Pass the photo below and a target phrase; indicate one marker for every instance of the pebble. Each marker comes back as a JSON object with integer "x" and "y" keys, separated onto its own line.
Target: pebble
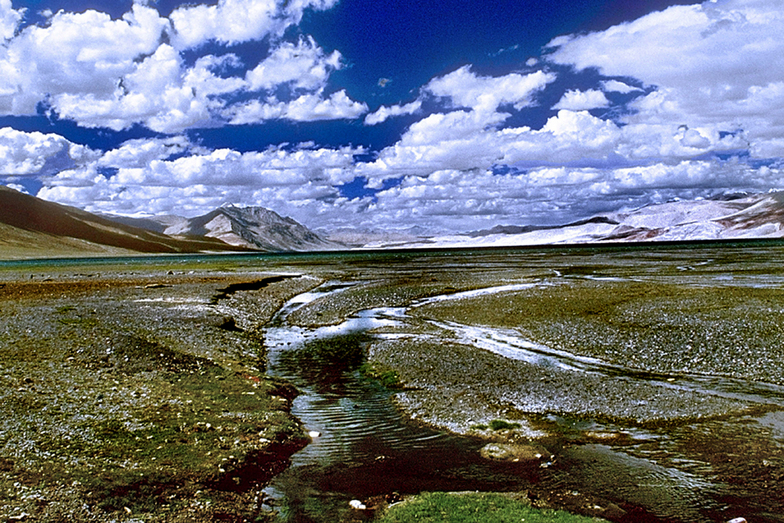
{"x": 357, "y": 504}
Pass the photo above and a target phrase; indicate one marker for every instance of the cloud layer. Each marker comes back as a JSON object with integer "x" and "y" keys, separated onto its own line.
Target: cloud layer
{"x": 716, "y": 67}
{"x": 688, "y": 102}
{"x": 114, "y": 73}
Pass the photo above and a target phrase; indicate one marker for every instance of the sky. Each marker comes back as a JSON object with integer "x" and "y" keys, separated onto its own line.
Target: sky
{"x": 428, "y": 116}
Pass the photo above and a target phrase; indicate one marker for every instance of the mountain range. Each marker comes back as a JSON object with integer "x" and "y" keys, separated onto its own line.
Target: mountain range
{"x": 34, "y": 228}
{"x": 734, "y": 217}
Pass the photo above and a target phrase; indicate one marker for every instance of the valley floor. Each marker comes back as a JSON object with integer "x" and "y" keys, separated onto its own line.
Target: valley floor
{"x": 648, "y": 383}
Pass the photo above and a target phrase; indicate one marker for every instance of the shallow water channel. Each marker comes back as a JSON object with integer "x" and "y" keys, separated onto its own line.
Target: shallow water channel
{"x": 366, "y": 447}
{"x": 707, "y": 471}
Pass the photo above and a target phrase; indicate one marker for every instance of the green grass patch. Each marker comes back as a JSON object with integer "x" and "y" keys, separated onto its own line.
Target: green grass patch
{"x": 500, "y": 424}
{"x": 326, "y": 361}
{"x": 345, "y": 350}
{"x": 67, "y": 319}
{"x": 213, "y": 421}
{"x": 441, "y": 507}
{"x": 66, "y": 308}
{"x": 84, "y": 322}
{"x": 496, "y": 424}
{"x": 388, "y": 378}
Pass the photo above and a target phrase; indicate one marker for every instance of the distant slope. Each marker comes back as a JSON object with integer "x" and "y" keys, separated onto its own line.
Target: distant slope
{"x": 756, "y": 216}
{"x": 247, "y": 227}
{"x": 153, "y": 223}
{"x": 39, "y": 226}
{"x": 20, "y": 244}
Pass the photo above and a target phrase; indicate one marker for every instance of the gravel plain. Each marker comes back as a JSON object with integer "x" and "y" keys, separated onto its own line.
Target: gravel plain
{"x": 138, "y": 393}
{"x": 140, "y": 396}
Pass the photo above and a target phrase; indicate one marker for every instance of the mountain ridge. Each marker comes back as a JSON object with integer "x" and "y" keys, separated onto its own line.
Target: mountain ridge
{"x": 31, "y": 227}
{"x": 255, "y": 228}
{"x": 737, "y": 217}
{"x": 38, "y": 226}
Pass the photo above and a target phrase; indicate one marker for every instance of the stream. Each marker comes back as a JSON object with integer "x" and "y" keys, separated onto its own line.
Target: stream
{"x": 364, "y": 448}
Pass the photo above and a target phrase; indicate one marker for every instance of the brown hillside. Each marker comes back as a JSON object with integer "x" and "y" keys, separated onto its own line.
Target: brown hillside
{"x": 35, "y": 215}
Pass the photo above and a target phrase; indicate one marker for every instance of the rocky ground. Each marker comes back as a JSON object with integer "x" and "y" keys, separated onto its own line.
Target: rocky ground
{"x": 138, "y": 392}
{"x": 140, "y": 396}
{"x": 652, "y": 343}
{"x": 674, "y": 403}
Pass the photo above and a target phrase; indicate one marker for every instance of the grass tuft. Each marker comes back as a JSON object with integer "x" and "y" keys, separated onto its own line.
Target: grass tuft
{"x": 496, "y": 424}
{"x": 388, "y": 378}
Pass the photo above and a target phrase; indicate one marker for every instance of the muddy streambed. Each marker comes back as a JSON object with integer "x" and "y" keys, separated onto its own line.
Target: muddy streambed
{"x": 638, "y": 421}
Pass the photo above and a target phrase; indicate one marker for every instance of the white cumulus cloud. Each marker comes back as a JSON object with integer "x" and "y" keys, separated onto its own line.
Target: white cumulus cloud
{"x": 78, "y": 54}
{"x": 23, "y": 153}
{"x": 465, "y": 89}
{"x": 717, "y": 64}
{"x": 141, "y": 152}
{"x": 236, "y": 21}
{"x": 304, "y": 65}
{"x": 156, "y": 93}
{"x": 114, "y": 73}
{"x": 615, "y": 86}
{"x": 9, "y": 19}
{"x": 308, "y": 107}
{"x": 384, "y": 112}
{"x": 149, "y": 180}
{"x": 575, "y": 100}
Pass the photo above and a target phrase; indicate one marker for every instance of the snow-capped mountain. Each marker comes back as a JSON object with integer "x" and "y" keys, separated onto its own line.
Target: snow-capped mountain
{"x": 746, "y": 217}
{"x": 251, "y": 227}
{"x": 30, "y": 227}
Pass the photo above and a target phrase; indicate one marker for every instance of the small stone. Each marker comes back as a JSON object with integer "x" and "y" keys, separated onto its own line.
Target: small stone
{"x": 513, "y": 452}
{"x": 357, "y": 504}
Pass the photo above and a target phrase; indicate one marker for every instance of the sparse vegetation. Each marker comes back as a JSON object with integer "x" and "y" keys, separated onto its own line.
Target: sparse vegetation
{"x": 327, "y": 360}
{"x": 136, "y": 395}
{"x": 496, "y": 425}
{"x": 499, "y": 424}
{"x": 117, "y": 406}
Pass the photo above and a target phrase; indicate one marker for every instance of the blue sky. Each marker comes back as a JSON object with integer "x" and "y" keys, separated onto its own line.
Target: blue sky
{"x": 447, "y": 116}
